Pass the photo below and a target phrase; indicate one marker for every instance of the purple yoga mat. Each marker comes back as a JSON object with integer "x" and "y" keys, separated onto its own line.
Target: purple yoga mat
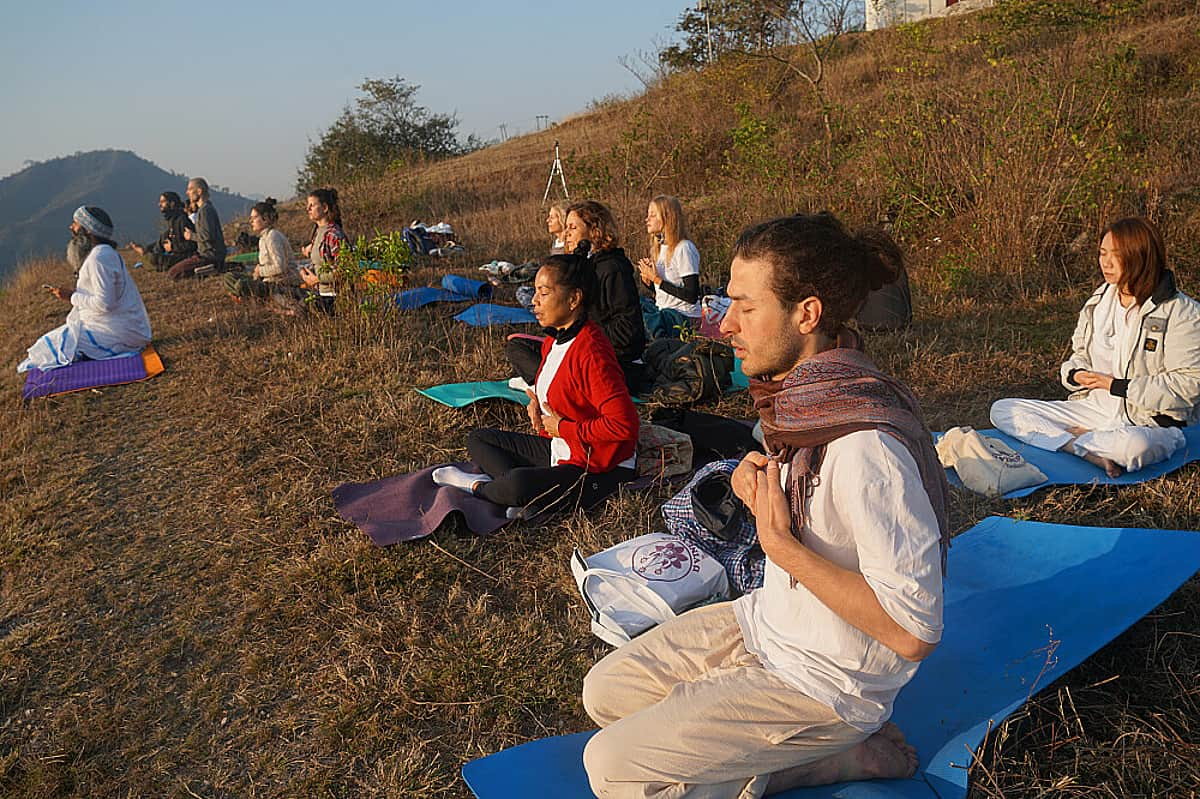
{"x": 83, "y": 374}
{"x": 410, "y": 506}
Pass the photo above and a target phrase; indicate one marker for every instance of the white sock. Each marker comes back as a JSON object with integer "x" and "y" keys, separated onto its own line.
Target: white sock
{"x": 456, "y": 478}
{"x": 519, "y": 384}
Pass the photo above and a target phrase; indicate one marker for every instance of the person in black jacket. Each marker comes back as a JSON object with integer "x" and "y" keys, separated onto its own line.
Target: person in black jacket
{"x": 172, "y": 246}
{"x": 591, "y": 230}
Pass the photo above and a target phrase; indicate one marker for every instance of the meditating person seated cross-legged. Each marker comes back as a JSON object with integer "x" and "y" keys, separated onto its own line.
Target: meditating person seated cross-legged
{"x": 276, "y": 271}
{"x": 1134, "y": 365}
{"x": 172, "y": 245}
{"x": 107, "y": 318}
{"x": 674, "y": 272}
{"x": 207, "y": 236}
{"x": 591, "y": 230}
{"x": 793, "y": 683}
{"x": 585, "y": 426}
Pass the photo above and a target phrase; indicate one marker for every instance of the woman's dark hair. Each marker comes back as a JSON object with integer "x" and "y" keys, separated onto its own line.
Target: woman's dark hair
{"x": 603, "y": 232}
{"x": 101, "y": 216}
{"x": 1139, "y": 247}
{"x": 813, "y": 255}
{"x": 329, "y": 199}
{"x": 174, "y": 201}
{"x": 266, "y": 211}
{"x": 574, "y": 272}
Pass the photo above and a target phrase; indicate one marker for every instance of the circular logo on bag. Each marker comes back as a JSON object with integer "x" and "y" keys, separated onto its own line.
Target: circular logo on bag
{"x": 664, "y": 561}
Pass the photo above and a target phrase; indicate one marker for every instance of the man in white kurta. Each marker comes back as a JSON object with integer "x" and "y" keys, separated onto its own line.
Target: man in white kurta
{"x": 793, "y": 683}
{"x": 107, "y": 318}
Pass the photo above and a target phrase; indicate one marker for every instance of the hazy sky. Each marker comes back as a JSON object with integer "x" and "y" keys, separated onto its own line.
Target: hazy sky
{"x": 235, "y": 91}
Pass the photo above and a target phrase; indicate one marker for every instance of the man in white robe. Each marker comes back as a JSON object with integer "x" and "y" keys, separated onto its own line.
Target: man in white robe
{"x": 107, "y": 317}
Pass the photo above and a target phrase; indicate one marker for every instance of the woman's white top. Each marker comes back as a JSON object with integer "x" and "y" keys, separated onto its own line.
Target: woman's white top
{"x": 1111, "y": 324}
{"x": 276, "y": 263}
{"x": 869, "y": 514}
{"x": 685, "y": 260}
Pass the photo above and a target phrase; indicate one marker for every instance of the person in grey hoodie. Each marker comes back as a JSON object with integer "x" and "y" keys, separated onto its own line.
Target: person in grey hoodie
{"x": 210, "y": 241}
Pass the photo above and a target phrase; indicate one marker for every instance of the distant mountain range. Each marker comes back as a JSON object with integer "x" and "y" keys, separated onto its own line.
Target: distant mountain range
{"x": 36, "y": 203}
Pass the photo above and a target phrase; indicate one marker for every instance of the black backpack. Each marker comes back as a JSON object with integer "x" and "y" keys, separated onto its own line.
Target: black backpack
{"x": 688, "y": 372}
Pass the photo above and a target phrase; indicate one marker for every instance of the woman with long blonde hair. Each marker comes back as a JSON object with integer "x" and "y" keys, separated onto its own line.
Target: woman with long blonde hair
{"x": 675, "y": 271}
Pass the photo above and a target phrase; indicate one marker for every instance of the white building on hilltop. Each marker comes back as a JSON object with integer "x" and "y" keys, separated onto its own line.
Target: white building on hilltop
{"x": 885, "y": 13}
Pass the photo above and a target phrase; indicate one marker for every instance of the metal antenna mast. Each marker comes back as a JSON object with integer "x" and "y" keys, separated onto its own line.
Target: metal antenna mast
{"x": 556, "y": 169}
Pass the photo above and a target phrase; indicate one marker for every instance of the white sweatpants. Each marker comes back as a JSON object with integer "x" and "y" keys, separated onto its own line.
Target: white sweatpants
{"x": 1044, "y": 423}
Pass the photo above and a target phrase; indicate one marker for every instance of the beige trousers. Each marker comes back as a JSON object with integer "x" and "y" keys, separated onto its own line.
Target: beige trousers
{"x": 686, "y": 711}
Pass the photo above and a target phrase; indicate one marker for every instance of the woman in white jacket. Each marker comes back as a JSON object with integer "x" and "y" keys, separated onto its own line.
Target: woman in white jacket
{"x": 1134, "y": 366}
{"x": 107, "y": 317}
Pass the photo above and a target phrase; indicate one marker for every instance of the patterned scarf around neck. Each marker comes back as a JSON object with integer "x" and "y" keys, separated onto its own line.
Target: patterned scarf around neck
{"x": 830, "y": 395}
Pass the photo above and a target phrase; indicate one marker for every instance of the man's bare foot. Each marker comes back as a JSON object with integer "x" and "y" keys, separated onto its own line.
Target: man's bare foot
{"x": 1111, "y": 468}
{"x": 1077, "y": 431}
{"x": 885, "y": 755}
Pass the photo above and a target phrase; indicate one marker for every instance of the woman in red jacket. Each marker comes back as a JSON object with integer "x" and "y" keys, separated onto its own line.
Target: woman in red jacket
{"x": 585, "y": 426}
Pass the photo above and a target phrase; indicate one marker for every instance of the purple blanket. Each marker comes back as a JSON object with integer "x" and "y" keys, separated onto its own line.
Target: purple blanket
{"x": 410, "y": 506}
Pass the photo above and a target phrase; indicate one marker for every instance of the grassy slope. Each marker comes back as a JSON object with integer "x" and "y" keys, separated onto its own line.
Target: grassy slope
{"x": 181, "y": 612}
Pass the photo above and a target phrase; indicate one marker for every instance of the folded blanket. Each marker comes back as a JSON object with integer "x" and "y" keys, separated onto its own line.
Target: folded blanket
{"x": 410, "y": 506}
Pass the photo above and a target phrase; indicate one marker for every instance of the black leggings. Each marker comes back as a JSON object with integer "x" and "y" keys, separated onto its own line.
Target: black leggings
{"x": 519, "y": 464}
{"x": 525, "y": 355}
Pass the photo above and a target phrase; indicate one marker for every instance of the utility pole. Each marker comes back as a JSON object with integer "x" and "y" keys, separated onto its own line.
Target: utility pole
{"x": 503, "y": 132}
{"x": 703, "y": 9}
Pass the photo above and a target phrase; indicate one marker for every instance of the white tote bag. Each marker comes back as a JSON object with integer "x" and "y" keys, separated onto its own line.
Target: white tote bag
{"x": 636, "y": 584}
{"x": 985, "y": 465}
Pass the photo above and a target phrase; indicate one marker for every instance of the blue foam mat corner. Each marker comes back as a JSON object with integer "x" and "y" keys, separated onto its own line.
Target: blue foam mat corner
{"x": 1026, "y": 581}
{"x": 1062, "y": 468}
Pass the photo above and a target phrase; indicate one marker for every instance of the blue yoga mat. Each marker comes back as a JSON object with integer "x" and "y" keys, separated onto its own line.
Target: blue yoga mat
{"x": 1062, "y": 468}
{"x": 454, "y": 289}
{"x": 460, "y": 395}
{"x": 1021, "y": 598}
{"x": 485, "y": 314}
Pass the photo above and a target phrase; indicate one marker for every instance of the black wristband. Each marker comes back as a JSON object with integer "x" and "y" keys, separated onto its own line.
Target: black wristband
{"x": 1119, "y": 387}
{"x": 1071, "y": 376}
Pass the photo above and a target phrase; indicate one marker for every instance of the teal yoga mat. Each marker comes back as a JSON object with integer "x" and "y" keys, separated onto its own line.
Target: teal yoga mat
{"x": 1062, "y": 468}
{"x": 1021, "y": 597}
{"x": 460, "y": 395}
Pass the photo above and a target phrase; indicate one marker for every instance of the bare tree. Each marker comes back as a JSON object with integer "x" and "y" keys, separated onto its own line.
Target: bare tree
{"x": 648, "y": 66}
{"x": 815, "y": 26}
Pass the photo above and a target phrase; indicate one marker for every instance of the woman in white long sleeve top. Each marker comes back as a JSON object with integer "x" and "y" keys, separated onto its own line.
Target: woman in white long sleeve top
{"x": 107, "y": 317}
{"x": 1134, "y": 365}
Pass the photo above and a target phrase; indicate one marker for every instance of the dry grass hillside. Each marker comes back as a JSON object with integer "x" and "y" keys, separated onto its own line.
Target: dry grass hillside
{"x": 183, "y": 614}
